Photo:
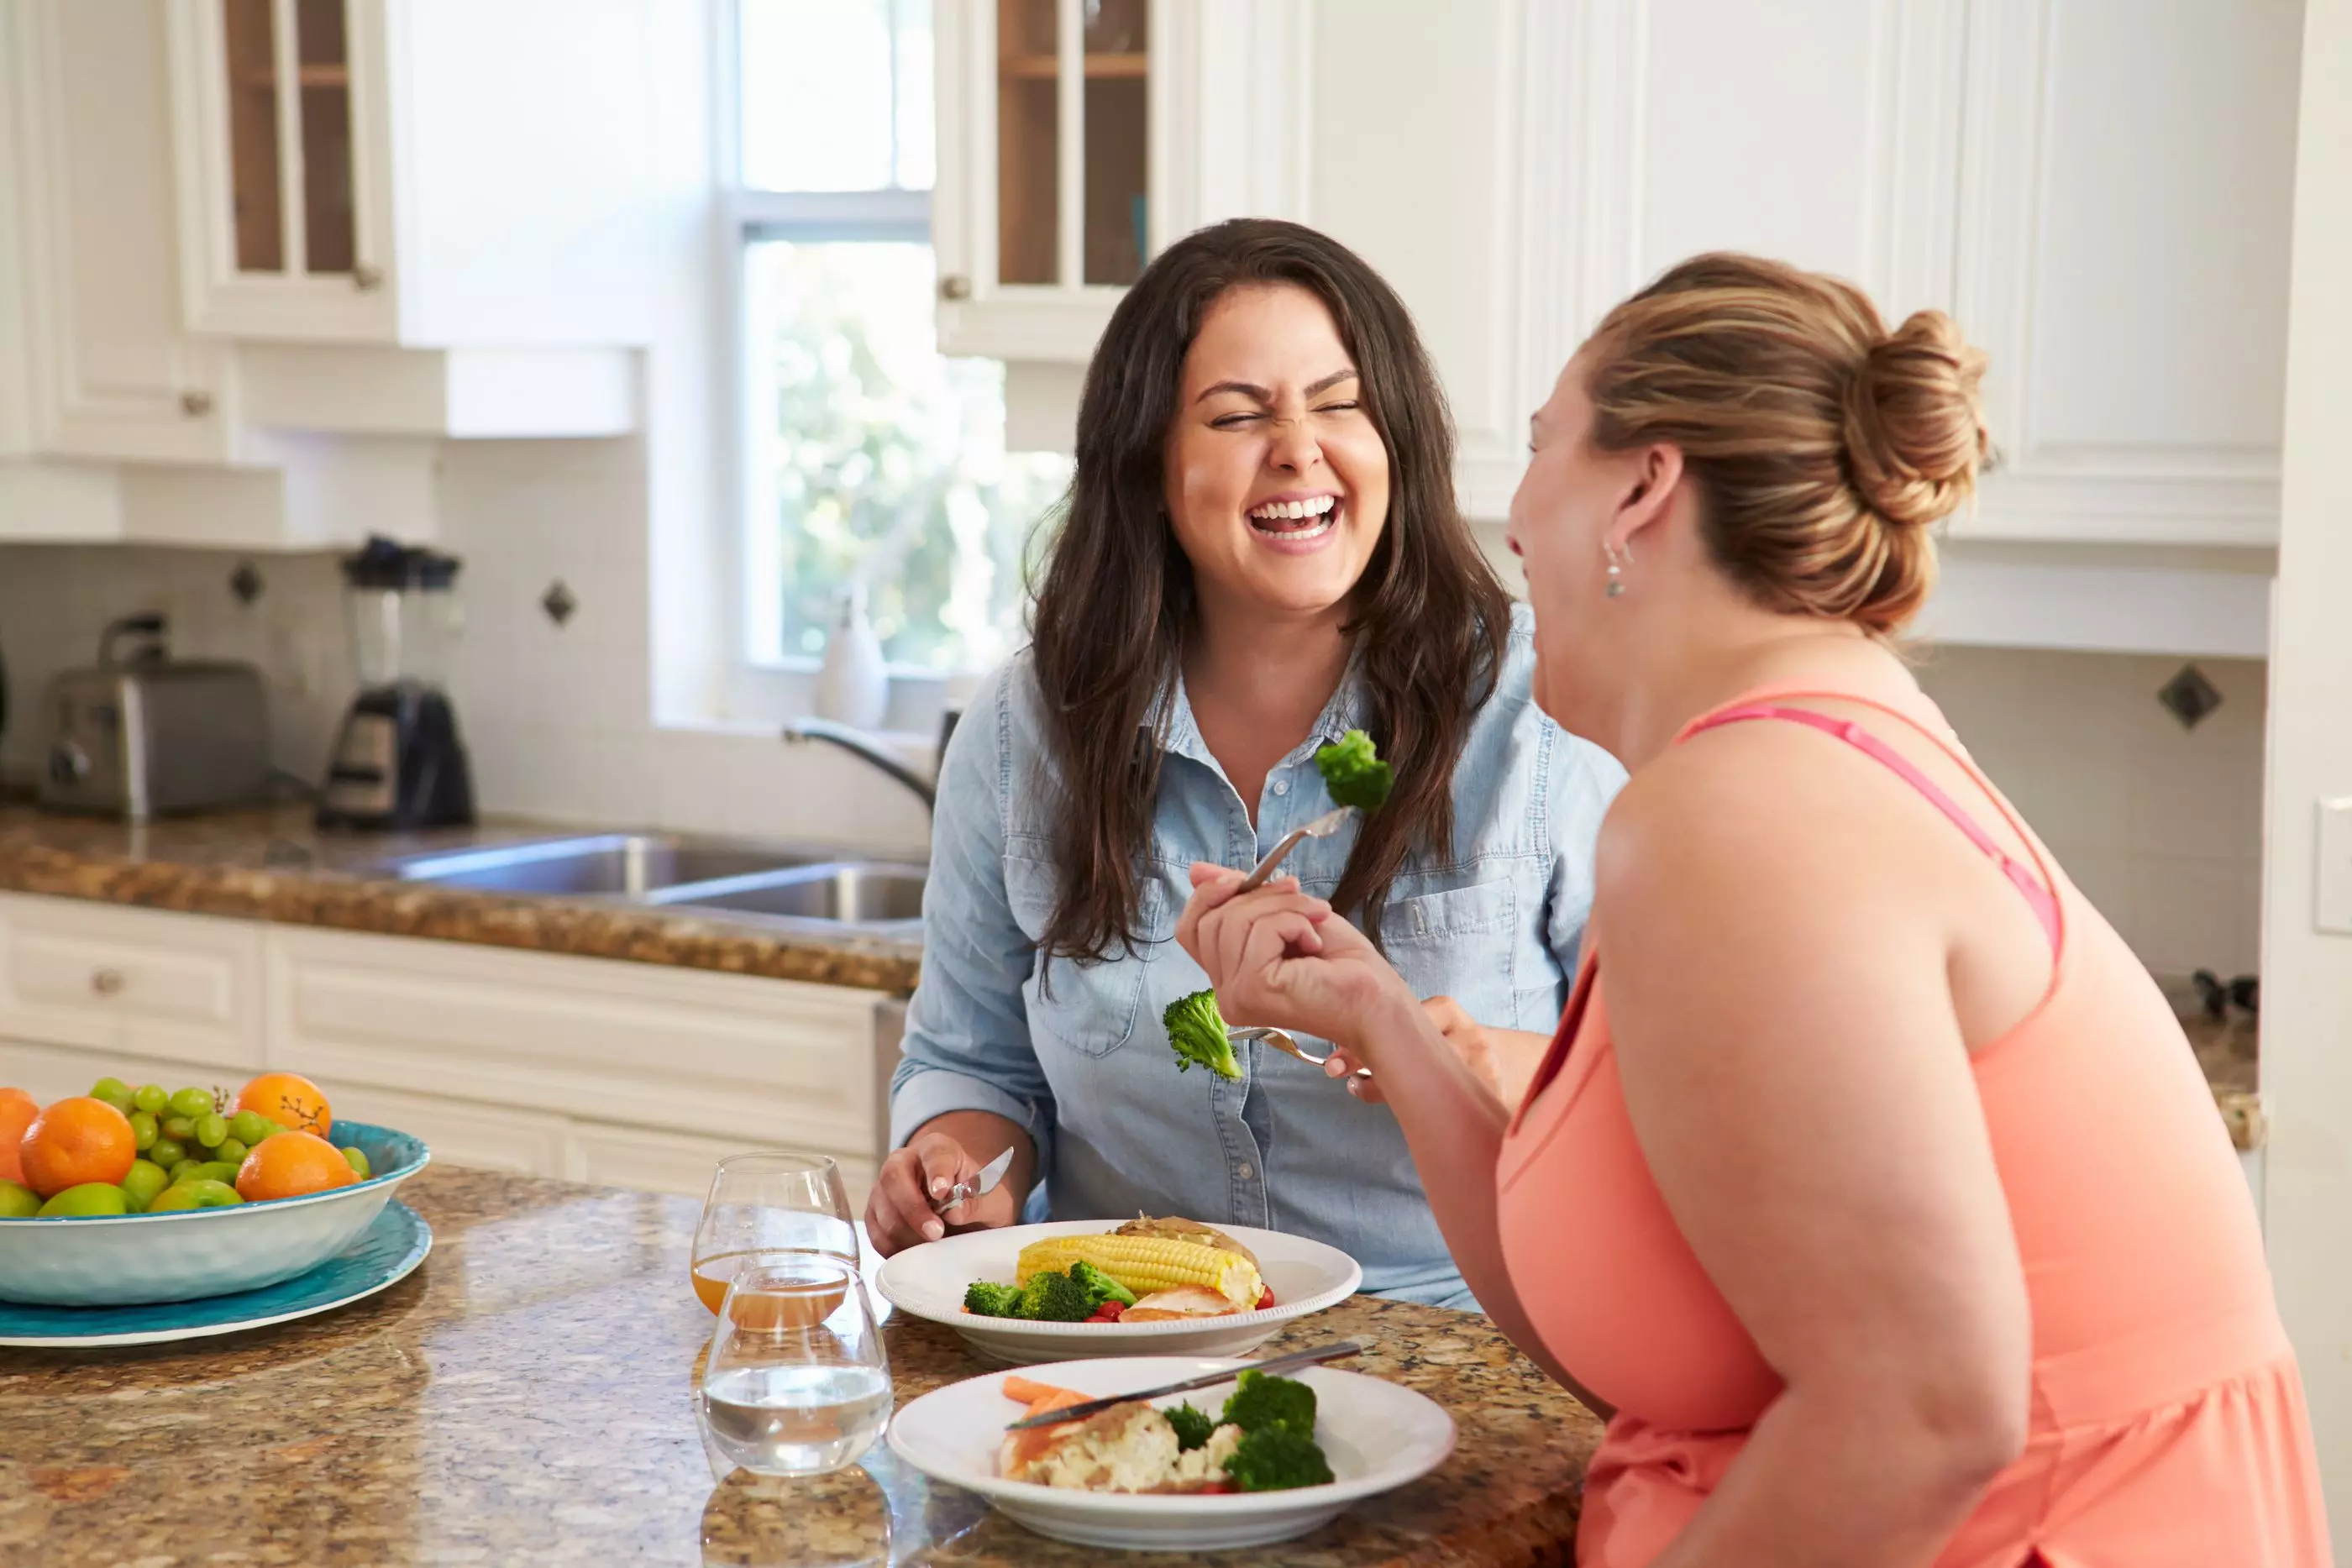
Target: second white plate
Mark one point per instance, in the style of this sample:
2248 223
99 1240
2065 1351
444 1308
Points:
930 1281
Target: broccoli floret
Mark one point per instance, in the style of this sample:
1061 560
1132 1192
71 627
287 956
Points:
1052 1298
1192 1426
1197 1030
1353 772
1259 1401
985 1300
1276 1459
1101 1286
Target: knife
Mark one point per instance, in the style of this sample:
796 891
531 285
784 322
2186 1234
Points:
979 1185
1291 1363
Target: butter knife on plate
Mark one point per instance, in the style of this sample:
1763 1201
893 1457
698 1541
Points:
979 1185
1276 1364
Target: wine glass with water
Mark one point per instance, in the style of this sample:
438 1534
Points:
766 1202
798 1381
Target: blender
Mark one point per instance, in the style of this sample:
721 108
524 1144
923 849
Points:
397 762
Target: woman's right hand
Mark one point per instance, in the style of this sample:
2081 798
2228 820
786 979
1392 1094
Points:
1278 956
899 1213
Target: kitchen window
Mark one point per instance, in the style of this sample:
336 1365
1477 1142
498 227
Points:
870 459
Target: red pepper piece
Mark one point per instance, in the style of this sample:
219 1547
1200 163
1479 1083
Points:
1265 1298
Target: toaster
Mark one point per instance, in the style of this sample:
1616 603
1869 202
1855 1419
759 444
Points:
143 733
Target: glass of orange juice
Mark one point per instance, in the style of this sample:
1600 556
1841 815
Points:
770 1201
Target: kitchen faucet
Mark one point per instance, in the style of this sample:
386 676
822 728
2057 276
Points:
871 747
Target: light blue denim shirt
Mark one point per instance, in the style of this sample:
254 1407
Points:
1087 1069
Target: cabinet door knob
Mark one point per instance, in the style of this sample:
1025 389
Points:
366 278
106 982
196 404
955 285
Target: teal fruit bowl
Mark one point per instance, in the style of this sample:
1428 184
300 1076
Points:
131 1259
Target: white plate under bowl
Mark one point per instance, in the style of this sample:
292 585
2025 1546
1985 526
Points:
929 1281
135 1259
1377 1435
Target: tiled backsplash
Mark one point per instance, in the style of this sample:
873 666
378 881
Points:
2161 826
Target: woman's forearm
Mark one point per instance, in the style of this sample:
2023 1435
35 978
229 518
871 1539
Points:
1454 1127
1825 1482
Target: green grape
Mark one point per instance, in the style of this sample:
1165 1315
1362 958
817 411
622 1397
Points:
248 1127
356 1157
269 1129
212 1130
192 1103
182 1128
150 1098
114 1092
166 1152
143 1131
231 1152
143 1181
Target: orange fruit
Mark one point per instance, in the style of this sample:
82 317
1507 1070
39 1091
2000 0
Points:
292 1165
289 1100
17 1110
75 1142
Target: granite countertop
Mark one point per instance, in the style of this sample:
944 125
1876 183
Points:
275 863
527 1395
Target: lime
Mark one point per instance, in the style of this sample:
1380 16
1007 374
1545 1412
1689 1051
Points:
181 1196
143 1180
18 1201
150 1098
191 1103
90 1197
358 1159
114 1092
188 1171
167 1151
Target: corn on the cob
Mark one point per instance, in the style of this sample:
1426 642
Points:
1145 1263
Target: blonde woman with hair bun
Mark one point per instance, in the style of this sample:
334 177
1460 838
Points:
1869 1186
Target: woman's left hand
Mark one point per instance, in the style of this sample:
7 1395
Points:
1278 958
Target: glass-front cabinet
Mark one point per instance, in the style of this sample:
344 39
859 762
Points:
1050 199
284 214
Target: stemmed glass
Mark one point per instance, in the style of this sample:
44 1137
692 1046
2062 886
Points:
770 1201
797 1382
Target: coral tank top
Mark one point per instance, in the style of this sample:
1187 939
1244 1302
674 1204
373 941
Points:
2168 1419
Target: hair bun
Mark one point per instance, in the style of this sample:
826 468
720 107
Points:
1914 434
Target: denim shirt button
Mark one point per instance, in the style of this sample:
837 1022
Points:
1282 785
1243 1171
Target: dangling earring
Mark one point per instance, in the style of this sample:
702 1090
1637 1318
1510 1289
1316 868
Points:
1617 561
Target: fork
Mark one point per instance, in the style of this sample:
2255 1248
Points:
1281 1042
1322 827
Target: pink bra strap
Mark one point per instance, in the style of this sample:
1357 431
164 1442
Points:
2043 901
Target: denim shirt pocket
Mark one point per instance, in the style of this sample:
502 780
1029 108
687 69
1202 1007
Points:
1087 1007
1459 942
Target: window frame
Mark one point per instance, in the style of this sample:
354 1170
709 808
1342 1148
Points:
771 690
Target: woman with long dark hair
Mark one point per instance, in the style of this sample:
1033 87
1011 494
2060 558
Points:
1260 551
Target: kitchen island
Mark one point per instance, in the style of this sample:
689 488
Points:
527 1396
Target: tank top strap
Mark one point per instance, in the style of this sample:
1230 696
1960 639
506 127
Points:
2034 885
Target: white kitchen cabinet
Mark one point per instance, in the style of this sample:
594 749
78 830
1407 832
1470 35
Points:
114 372
139 982
413 171
1077 138
2098 192
628 1074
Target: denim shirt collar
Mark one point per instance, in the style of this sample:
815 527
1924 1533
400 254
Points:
1350 709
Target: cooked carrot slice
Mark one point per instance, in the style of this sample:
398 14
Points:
1028 1390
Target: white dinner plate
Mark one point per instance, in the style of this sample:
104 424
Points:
928 1280
1377 1435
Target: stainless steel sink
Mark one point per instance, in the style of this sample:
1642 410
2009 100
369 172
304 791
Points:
626 865
849 892
767 884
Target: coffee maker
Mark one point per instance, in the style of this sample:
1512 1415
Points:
398 763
